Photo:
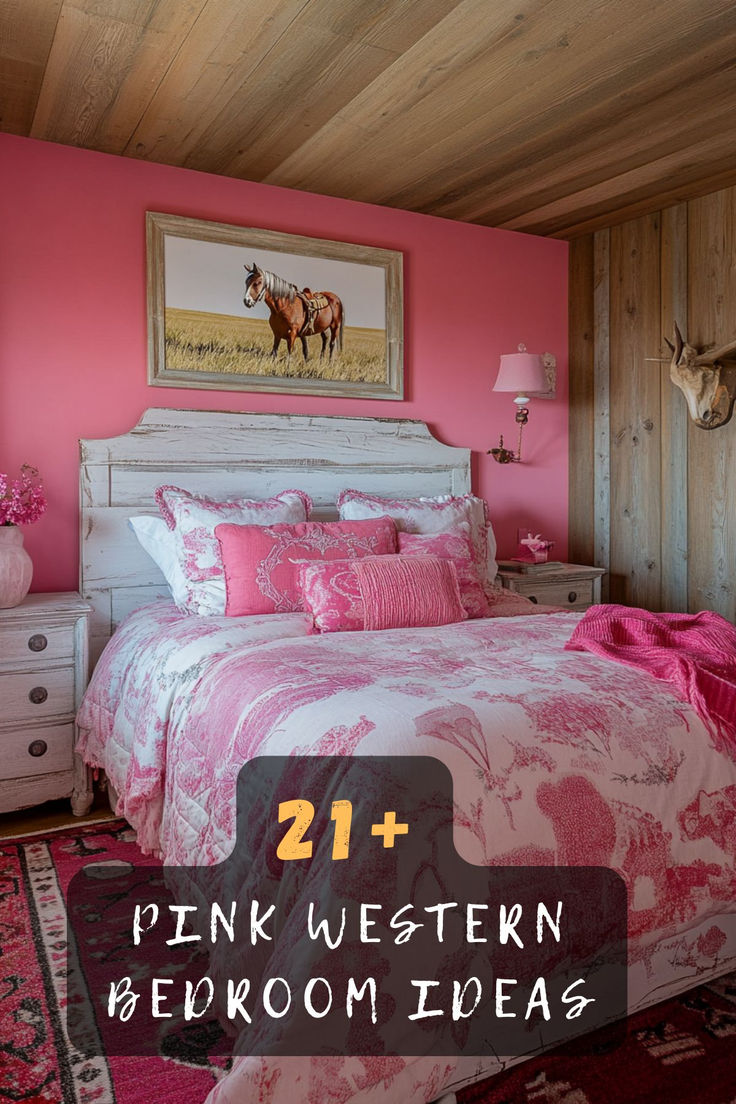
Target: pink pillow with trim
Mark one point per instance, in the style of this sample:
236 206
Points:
431 515
454 545
262 562
382 592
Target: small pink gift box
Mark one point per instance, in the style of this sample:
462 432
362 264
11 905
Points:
534 549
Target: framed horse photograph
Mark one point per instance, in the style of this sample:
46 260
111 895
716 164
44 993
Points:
241 309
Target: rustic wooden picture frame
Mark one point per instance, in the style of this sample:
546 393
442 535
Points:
197 349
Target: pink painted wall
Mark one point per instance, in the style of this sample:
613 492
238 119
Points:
73 327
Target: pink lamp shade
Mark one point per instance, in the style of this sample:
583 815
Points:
522 373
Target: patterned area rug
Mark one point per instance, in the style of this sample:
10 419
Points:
37 1063
681 1052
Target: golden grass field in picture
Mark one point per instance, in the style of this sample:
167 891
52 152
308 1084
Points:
198 341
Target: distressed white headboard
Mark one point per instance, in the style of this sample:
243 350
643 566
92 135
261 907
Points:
233 455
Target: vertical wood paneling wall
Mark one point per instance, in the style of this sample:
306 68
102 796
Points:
652 497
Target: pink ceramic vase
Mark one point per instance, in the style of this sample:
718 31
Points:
16 567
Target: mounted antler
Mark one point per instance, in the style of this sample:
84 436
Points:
726 352
709 385
677 348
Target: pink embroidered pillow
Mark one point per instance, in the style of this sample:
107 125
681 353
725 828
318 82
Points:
193 519
454 545
431 515
262 562
382 592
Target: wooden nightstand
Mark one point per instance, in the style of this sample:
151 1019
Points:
43 674
571 585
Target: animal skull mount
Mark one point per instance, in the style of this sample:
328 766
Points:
707 380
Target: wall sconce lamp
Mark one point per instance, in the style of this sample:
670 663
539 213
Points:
525 374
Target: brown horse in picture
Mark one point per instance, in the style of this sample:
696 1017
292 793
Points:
295 314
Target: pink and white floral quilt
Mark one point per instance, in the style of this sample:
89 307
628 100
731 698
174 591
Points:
557 757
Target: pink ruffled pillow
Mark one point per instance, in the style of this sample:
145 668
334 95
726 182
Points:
192 519
454 545
262 562
431 515
381 592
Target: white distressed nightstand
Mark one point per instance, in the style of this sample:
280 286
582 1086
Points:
572 585
43 674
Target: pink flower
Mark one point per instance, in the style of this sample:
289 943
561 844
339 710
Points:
22 500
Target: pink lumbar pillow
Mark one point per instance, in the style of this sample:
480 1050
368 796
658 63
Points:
381 592
454 545
262 562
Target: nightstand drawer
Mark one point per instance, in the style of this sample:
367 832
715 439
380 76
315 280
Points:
570 586
37 645
36 751
43 673
573 593
33 695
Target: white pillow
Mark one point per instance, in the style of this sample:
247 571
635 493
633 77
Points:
155 538
192 520
430 515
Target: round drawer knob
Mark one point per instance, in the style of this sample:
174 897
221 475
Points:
38 748
38 695
533 599
572 596
37 642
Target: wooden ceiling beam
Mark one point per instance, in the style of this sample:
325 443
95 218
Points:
518 157
209 70
105 62
718 177
630 188
506 178
564 57
429 92
292 92
26 33
303 61
645 144
345 63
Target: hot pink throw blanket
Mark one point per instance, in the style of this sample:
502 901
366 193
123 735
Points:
696 653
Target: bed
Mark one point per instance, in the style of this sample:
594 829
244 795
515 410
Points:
556 756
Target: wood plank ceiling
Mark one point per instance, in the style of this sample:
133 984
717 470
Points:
548 116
